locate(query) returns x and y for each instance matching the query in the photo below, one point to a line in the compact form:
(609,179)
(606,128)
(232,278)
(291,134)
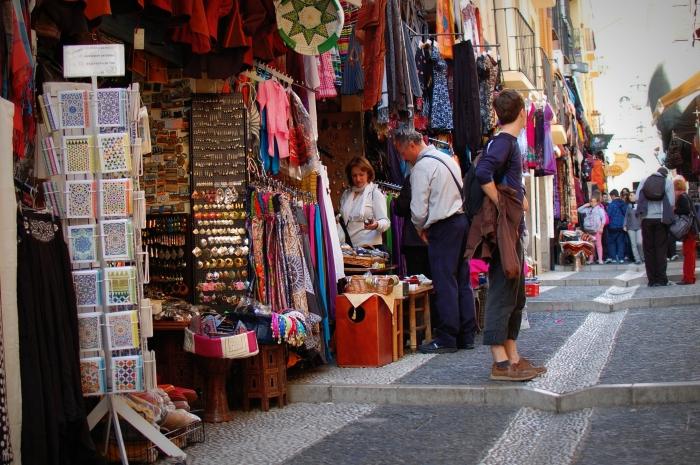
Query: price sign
(93,60)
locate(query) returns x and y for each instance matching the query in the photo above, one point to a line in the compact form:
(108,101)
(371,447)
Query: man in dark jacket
(616,235)
(502,163)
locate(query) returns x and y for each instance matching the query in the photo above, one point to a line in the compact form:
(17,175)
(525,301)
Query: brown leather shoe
(527,364)
(512,373)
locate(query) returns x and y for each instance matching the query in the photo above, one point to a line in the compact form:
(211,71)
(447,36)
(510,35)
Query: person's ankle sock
(503,365)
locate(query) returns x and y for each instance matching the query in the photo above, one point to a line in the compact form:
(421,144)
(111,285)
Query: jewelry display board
(220,244)
(169,249)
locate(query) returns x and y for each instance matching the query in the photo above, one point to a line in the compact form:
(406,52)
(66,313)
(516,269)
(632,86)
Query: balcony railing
(561,24)
(545,80)
(518,54)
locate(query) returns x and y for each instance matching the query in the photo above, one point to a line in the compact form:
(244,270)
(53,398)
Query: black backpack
(654,187)
(472,193)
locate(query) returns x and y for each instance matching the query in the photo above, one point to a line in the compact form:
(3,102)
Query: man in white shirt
(436,212)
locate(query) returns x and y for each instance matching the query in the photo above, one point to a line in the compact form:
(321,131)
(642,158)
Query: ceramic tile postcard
(92,375)
(126,374)
(115,197)
(52,159)
(121,285)
(79,154)
(82,243)
(116,240)
(80,199)
(74,109)
(111,107)
(87,288)
(123,330)
(90,331)
(48,112)
(115,152)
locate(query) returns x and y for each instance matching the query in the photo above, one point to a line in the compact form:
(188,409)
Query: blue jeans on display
(454,298)
(616,244)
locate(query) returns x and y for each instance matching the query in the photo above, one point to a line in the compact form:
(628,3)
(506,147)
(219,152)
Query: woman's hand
(371,225)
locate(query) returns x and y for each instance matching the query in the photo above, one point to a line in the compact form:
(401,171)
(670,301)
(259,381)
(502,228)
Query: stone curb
(573,282)
(602,307)
(676,265)
(602,395)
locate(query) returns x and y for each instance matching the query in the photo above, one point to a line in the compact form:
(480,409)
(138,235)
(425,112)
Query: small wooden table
(397,329)
(420,294)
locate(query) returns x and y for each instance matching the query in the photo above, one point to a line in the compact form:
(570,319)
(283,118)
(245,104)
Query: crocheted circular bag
(309,27)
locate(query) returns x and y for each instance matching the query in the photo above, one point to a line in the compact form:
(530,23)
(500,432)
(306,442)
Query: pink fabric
(272,95)
(327,77)
(477,266)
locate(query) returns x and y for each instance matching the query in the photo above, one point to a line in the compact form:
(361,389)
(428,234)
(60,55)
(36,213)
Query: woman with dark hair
(363,208)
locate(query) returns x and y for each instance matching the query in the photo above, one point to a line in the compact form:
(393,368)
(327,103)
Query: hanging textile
(470,26)
(489,74)
(273,98)
(550,165)
(371,23)
(440,106)
(445,25)
(353,77)
(348,31)
(425,78)
(412,69)
(467,108)
(398,80)
(54,421)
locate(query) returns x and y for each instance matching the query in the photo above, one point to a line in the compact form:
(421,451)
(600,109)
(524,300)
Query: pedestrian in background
(625,196)
(616,235)
(437,214)
(593,224)
(655,201)
(684,206)
(633,227)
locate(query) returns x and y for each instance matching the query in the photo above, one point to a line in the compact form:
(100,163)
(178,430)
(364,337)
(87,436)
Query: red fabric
(689,258)
(22,93)
(96,8)
(196,31)
(598,174)
(371,24)
(207,346)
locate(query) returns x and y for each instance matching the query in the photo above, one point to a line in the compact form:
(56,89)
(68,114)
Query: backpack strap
(454,178)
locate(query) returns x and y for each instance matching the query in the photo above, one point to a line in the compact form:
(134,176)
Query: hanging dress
(440,106)
(550,164)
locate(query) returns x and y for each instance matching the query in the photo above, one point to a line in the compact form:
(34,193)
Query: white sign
(93,60)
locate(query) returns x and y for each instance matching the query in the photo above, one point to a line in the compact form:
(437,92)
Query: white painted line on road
(545,438)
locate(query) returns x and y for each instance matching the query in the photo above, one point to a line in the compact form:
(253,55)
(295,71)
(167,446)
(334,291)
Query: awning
(689,87)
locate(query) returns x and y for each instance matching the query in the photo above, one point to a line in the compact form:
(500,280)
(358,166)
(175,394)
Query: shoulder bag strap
(459,188)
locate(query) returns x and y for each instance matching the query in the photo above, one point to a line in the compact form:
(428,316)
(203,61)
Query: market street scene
(349,232)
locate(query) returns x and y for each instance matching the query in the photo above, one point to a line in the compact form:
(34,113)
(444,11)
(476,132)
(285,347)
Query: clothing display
(467,113)
(370,30)
(6,455)
(488,70)
(440,106)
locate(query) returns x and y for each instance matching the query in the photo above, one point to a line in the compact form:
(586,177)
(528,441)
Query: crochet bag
(242,345)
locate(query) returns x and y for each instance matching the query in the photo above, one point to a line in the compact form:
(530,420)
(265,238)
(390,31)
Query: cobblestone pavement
(654,435)
(445,435)
(474,366)
(656,345)
(580,347)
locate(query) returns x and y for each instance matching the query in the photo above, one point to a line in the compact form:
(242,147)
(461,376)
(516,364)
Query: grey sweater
(632,220)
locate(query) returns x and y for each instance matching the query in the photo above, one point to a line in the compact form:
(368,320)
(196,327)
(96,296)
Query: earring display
(170,263)
(166,179)
(117,243)
(218,199)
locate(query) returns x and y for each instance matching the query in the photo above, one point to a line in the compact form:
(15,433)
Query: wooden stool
(215,373)
(422,294)
(266,377)
(397,329)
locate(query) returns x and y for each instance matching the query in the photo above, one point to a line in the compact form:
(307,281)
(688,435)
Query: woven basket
(365,262)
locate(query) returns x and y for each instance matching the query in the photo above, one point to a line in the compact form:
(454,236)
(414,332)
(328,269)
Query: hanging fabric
(353,77)
(489,78)
(445,27)
(440,106)
(5,440)
(467,108)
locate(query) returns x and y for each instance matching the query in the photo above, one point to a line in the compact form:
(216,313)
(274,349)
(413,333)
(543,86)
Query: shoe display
(512,373)
(435,348)
(527,364)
